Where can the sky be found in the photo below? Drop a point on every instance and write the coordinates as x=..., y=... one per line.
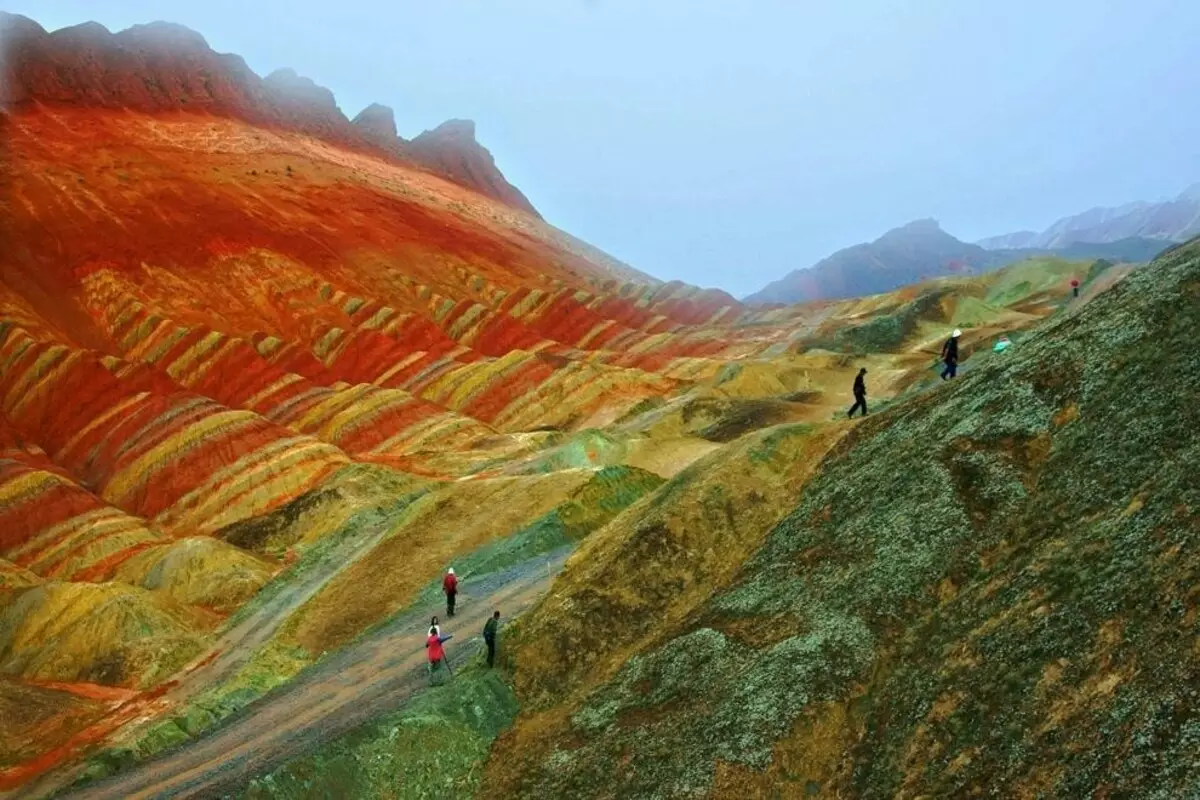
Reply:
x=728, y=143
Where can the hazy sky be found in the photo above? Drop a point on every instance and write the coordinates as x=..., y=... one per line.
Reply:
x=727, y=143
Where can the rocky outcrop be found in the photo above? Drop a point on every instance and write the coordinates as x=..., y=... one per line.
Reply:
x=146, y=68
x=156, y=68
x=377, y=121
x=452, y=150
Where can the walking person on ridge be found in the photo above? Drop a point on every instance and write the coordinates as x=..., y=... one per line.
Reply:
x=450, y=587
x=489, y=637
x=950, y=355
x=860, y=394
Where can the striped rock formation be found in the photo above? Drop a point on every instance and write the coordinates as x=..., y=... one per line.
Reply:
x=244, y=340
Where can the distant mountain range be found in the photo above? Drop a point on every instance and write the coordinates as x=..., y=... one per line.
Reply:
x=921, y=250
x=1134, y=232
x=1172, y=220
x=903, y=255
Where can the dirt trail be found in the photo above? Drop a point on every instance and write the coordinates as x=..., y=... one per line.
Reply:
x=232, y=648
x=237, y=643
x=371, y=677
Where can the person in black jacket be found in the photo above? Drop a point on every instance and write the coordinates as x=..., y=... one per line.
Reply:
x=489, y=637
x=950, y=355
x=860, y=394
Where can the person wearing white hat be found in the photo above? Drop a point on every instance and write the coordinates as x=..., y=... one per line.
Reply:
x=450, y=587
x=950, y=355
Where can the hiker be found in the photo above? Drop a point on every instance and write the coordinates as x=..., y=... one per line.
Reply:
x=450, y=587
x=1075, y=286
x=489, y=637
x=435, y=651
x=860, y=394
x=950, y=355
x=433, y=625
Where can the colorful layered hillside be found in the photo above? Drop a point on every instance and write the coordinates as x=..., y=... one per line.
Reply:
x=265, y=373
x=357, y=554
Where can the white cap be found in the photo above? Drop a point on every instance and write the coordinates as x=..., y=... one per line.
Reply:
x=452, y=570
x=957, y=333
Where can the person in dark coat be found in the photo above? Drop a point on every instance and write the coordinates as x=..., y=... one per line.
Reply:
x=860, y=394
x=489, y=637
x=950, y=355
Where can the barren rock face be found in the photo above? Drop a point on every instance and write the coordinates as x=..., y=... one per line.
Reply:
x=377, y=120
x=152, y=67
x=451, y=149
x=300, y=91
x=453, y=130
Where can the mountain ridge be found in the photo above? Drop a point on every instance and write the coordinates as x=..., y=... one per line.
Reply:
x=163, y=67
x=1174, y=220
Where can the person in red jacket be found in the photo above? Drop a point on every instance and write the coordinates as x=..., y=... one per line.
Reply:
x=450, y=587
x=435, y=652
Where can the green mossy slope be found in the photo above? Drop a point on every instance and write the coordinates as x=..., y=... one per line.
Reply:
x=991, y=587
x=433, y=747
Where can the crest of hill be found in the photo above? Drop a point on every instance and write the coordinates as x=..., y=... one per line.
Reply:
x=377, y=120
x=164, y=67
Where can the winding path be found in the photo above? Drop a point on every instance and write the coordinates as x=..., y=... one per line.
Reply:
x=370, y=677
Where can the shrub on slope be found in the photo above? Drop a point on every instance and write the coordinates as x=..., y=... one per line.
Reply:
x=992, y=585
